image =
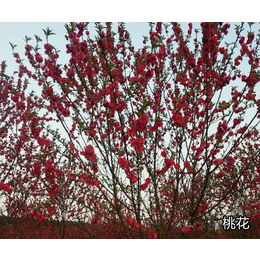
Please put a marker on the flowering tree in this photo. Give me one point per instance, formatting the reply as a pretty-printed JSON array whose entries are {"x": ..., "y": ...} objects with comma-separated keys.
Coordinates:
[{"x": 136, "y": 143}]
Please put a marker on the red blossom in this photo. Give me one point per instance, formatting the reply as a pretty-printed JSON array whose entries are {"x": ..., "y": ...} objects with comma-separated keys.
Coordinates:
[
  {"x": 138, "y": 144},
  {"x": 6, "y": 187},
  {"x": 219, "y": 175},
  {"x": 218, "y": 161},
  {"x": 123, "y": 162},
  {"x": 187, "y": 229},
  {"x": 152, "y": 235},
  {"x": 129, "y": 221},
  {"x": 132, "y": 176},
  {"x": 141, "y": 123},
  {"x": 43, "y": 141},
  {"x": 203, "y": 208},
  {"x": 163, "y": 153},
  {"x": 95, "y": 220},
  {"x": 89, "y": 153},
  {"x": 146, "y": 184}
]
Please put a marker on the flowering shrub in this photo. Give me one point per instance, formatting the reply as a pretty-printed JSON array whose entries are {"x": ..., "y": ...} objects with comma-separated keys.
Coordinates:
[{"x": 132, "y": 143}]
